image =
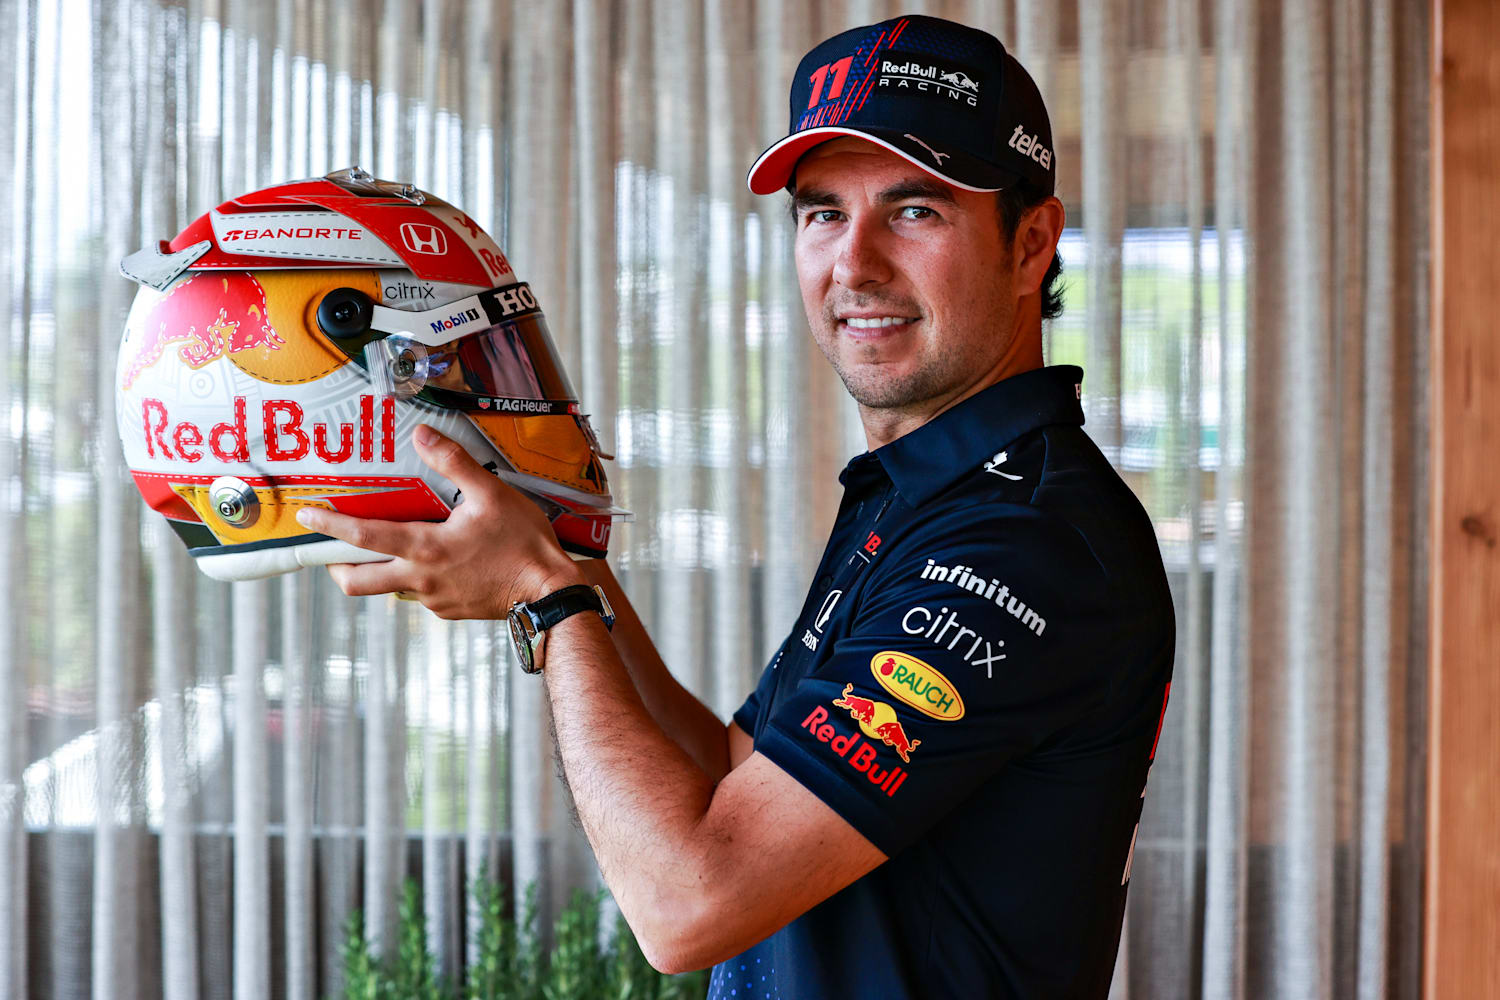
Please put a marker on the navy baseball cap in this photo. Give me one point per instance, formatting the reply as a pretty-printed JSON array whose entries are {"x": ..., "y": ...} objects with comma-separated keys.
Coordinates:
[{"x": 945, "y": 96}]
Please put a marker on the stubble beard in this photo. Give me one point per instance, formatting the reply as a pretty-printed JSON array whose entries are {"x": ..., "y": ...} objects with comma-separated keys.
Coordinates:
[
  {"x": 874, "y": 387},
  {"x": 875, "y": 391},
  {"x": 870, "y": 386}
]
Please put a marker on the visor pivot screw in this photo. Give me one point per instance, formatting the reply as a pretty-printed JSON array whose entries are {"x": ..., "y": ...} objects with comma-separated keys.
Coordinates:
[
  {"x": 345, "y": 313},
  {"x": 405, "y": 366},
  {"x": 234, "y": 501}
]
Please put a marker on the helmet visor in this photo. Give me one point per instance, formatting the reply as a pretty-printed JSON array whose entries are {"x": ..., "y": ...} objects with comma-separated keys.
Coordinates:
[
  {"x": 514, "y": 359},
  {"x": 480, "y": 357}
]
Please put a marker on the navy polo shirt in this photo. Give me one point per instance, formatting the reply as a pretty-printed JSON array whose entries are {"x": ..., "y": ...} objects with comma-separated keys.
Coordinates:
[{"x": 976, "y": 683}]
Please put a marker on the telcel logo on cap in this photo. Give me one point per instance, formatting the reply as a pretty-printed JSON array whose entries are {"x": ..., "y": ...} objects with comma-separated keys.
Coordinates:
[{"x": 1030, "y": 145}]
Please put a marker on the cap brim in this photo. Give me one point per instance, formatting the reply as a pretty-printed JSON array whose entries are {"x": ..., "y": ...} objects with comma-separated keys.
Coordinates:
[{"x": 773, "y": 169}]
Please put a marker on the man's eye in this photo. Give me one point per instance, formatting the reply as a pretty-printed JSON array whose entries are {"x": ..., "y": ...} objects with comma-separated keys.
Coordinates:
[
  {"x": 917, "y": 212},
  {"x": 822, "y": 215}
]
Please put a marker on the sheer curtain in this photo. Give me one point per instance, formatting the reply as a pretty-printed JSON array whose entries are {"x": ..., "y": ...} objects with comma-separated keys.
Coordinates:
[{"x": 199, "y": 781}]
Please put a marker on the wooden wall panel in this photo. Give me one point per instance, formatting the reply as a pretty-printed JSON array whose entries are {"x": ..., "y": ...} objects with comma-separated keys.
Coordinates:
[{"x": 1462, "y": 950}]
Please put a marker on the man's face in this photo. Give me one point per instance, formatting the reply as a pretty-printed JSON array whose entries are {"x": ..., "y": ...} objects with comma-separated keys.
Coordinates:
[{"x": 905, "y": 279}]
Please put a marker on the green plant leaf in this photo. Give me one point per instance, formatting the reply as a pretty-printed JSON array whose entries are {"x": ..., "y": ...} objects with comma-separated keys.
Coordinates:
[{"x": 510, "y": 962}]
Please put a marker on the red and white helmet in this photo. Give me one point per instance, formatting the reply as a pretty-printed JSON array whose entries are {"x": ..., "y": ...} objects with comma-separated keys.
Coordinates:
[{"x": 283, "y": 347}]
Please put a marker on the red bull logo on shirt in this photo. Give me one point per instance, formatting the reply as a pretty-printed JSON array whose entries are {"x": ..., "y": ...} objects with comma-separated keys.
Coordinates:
[
  {"x": 878, "y": 721},
  {"x": 857, "y": 753},
  {"x": 918, "y": 684}
]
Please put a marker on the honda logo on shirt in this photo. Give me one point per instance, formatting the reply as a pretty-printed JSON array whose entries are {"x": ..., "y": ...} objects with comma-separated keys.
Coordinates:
[
  {"x": 826, "y": 611},
  {"x": 423, "y": 239}
]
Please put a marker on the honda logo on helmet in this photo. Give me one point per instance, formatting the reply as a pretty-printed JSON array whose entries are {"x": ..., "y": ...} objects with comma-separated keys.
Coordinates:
[{"x": 423, "y": 239}]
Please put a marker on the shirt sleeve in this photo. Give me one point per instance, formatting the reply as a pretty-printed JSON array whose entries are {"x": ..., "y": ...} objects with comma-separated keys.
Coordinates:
[
  {"x": 745, "y": 716},
  {"x": 975, "y": 638}
]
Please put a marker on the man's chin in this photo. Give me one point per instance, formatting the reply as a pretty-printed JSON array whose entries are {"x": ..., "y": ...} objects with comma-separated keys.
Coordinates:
[{"x": 875, "y": 389}]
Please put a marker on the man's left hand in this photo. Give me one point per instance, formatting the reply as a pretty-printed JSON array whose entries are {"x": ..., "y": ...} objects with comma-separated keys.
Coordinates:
[{"x": 495, "y": 548}]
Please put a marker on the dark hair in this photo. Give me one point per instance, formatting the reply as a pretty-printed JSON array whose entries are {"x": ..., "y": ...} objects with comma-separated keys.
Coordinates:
[{"x": 1013, "y": 203}]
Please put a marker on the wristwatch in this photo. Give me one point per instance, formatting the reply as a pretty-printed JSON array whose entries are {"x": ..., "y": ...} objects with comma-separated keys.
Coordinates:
[{"x": 529, "y": 620}]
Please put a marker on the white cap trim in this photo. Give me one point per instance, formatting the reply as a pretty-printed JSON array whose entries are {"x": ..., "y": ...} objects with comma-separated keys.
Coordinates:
[{"x": 830, "y": 131}]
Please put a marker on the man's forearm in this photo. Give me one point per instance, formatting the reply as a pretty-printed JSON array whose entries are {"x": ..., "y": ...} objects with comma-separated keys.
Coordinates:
[
  {"x": 640, "y": 795},
  {"x": 685, "y": 719}
]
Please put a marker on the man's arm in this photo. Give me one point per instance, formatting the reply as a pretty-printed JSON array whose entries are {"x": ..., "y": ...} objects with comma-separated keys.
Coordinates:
[
  {"x": 684, "y": 718},
  {"x": 701, "y": 867},
  {"x": 700, "y": 870},
  {"x": 740, "y": 745}
]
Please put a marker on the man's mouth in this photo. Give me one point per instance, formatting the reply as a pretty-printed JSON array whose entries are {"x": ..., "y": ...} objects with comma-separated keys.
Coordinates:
[{"x": 874, "y": 326}]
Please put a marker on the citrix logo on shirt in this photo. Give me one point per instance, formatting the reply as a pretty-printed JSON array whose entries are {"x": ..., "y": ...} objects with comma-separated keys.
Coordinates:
[{"x": 936, "y": 626}]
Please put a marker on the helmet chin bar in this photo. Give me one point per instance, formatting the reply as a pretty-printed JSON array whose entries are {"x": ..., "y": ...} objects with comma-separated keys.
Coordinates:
[{"x": 257, "y": 564}]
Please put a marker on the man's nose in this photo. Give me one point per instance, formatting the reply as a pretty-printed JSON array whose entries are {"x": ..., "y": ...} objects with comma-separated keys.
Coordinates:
[{"x": 862, "y": 260}]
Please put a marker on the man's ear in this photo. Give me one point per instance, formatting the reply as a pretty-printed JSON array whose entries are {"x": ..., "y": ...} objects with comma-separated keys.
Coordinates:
[{"x": 1037, "y": 234}]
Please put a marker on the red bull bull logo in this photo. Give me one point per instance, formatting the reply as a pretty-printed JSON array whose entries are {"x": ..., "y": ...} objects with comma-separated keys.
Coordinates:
[
  {"x": 878, "y": 721},
  {"x": 863, "y": 709},
  {"x": 856, "y": 752},
  {"x": 894, "y": 736},
  {"x": 211, "y": 315}
]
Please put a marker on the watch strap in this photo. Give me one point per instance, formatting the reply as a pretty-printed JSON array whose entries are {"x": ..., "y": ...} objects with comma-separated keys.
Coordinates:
[{"x": 569, "y": 601}]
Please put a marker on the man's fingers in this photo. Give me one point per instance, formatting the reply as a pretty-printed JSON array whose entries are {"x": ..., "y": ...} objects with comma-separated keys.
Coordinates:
[
  {"x": 394, "y": 538},
  {"x": 365, "y": 579},
  {"x": 448, "y": 458}
]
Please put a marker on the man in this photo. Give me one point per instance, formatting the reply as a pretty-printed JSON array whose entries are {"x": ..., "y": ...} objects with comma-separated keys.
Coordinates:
[{"x": 933, "y": 790}]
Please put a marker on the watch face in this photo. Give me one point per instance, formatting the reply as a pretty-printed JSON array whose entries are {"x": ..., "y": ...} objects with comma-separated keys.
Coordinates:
[{"x": 521, "y": 636}]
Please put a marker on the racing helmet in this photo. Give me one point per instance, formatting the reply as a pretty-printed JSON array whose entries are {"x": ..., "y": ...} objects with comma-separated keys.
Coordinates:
[{"x": 282, "y": 348}]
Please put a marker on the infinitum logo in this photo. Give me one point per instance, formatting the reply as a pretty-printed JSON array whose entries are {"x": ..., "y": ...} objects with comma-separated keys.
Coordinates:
[{"x": 991, "y": 590}]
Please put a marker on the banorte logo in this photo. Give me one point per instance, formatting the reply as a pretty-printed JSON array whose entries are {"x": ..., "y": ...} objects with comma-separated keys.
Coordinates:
[
  {"x": 212, "y": 316},
  {"x": 918, "y": 684}
]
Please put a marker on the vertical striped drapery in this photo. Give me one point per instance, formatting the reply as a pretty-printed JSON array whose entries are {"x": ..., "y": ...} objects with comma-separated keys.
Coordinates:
[{"x": 198, "y": 782}]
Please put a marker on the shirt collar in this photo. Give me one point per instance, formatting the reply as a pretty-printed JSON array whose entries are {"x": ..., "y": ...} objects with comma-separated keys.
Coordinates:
[{"x": 959, "y": 440}]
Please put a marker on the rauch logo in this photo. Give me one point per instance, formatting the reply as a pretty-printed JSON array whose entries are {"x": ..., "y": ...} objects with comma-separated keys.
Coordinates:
[{"x": 918, "y": 684}]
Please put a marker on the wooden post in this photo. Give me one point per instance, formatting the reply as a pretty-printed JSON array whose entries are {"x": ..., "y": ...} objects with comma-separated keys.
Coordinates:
[{"x": 1462, "y": 940}]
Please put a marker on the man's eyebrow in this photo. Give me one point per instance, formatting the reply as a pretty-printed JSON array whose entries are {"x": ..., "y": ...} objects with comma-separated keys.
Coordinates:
[
  {"x": 804, "y": 198},
  {"x": 913, "y": 189},
  {"x": 918, "y": 190}
]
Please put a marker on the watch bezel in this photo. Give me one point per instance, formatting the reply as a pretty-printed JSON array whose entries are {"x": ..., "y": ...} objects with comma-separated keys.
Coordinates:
[{"x": 523, "y": 634}]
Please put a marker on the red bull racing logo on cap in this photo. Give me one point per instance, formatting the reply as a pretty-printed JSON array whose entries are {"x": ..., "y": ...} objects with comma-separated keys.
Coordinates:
[
  {"x": 918, "y": 684},
  {"x": 927, "y": 77}
]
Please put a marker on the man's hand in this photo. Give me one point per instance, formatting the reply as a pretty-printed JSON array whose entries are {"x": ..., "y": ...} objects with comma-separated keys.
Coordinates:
[{"x": 495, "y": 548}]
